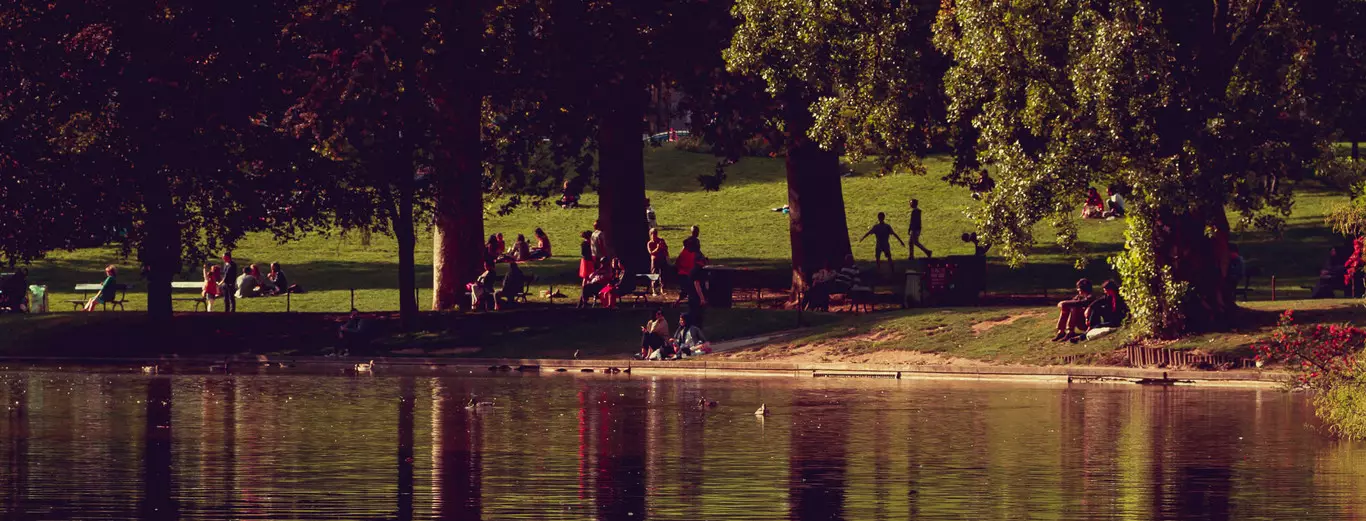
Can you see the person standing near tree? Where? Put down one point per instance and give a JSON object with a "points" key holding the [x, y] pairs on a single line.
{"points": [[598, 242], [881, 232], [229, 285], [913, 233], [693, 241]]}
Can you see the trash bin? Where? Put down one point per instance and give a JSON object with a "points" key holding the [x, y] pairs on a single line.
{"points": [[37, 299], [914, 285], [720, 286]]}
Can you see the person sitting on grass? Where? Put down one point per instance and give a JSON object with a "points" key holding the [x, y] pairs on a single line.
{"points": [[1107, 312], [1072, 312], [264, 285], [654, 338], [247, 283], [521, 251], [513, 285], [212, 276], [542, 249], [1116, 201], [108, 289], [355, 332], [569, 195], [688, 340], [280, 282], [1095, 206]]}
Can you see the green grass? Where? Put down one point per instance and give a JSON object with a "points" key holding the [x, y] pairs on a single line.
{"points": [[1022, 334], [738, 228]]}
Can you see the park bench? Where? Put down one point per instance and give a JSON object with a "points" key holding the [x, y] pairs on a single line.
{"points": [[641, 293], [86, 289], [1249, 271], [198, 299]]}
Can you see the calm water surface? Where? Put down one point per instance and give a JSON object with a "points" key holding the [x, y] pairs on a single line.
{"points": [[106, 445]]}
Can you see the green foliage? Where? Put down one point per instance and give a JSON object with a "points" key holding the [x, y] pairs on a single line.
{"points": [[864, 69], [1152, 292], [1343, 407]]}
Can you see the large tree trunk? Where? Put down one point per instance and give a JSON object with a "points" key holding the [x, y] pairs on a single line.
{"points": [[815, 200], [621, 185], [1199, 259], [407, 241], [159, 250], [457, 241]]}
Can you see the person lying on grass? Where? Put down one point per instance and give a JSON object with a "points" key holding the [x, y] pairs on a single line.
{"points": [[1072, 312]]}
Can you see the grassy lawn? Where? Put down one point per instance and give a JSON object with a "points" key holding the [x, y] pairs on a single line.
{"points": [[738, 228], [1018, 335]]}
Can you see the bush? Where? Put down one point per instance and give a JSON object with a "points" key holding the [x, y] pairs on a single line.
{"points": [[691, 144], [1323, 358], [1343, 408]]}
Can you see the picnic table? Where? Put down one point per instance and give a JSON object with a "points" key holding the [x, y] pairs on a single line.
{"points": [[198, 299], [87, 289], [641, 293]]}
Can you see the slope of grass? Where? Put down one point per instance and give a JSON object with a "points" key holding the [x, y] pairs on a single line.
{"points": [[738, 228]]}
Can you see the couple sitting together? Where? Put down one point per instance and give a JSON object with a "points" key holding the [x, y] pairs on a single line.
{"points": [[1094, 317], [656, 344]]}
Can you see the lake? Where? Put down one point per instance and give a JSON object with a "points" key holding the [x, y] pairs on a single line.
{"points": [[283, 443]]}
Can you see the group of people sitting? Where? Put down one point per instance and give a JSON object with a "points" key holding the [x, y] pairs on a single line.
{"points": [[687, 341], [847, 280], [1098, 208], [1085, 316], [483, 295], [521, 251]]}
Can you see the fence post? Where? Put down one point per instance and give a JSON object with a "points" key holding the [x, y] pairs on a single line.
{"points": [[1273, 288], [288, 293], [353, 299]]}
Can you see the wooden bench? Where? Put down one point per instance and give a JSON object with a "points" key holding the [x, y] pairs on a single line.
{"points": [[198, 300], [85, 289]]}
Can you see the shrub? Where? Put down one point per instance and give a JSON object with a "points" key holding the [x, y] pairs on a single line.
{"points": [[1324, 358], [691, 144]]}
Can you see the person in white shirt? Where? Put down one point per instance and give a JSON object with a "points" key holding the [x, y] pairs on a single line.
{"points": [[1115, 204]]}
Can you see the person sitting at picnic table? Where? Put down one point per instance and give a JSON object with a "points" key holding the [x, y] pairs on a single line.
{"points": [[596, 281], [1095, 206], [1116, 202], [1107, 312], [542, 249], [688, 340], [659, 260], [14, 292], [1072, 312], [654, 338], [848, 278], [213, 276], [108, 289], [481, 290], [513, 285], [620, 285]]}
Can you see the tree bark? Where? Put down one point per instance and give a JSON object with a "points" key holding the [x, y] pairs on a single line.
{"points": [[160, 248], [621, 186], [815, 200], [407, 241], [457, 240], [1200, 260]]}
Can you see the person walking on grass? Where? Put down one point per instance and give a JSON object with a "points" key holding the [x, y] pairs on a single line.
{"points": [[229, 285], [882, 231], [913, 234]]}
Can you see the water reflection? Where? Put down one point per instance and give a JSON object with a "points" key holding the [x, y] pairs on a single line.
{"points": [[297, 446]]}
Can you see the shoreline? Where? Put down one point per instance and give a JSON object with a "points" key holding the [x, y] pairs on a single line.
{"points": [[701, 367]]}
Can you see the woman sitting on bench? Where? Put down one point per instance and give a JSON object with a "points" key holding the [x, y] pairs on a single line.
{"points": [[108, 289]]}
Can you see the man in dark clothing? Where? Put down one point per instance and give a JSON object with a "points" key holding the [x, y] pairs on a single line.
{"points": [[696, 244], [229, 284], [882, 231], [513, 284], [913, 235], [1109, 310]]}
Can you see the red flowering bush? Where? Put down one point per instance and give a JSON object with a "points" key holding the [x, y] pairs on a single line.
{"points": [[1321, 354], [1355, 263]]}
